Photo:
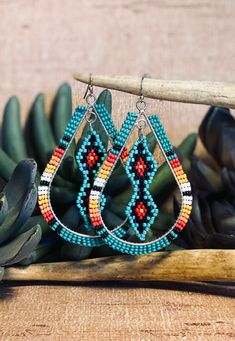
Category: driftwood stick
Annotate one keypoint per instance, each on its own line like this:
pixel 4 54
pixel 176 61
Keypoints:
pixel 199 92
pixel 182 266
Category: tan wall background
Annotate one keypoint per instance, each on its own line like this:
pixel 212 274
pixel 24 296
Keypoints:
pixel 44 42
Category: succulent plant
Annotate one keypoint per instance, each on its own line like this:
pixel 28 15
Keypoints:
pixel 20 234
pixel 212 222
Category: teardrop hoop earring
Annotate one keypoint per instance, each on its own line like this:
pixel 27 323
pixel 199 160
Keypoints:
pixel 89 159
pixel 141 167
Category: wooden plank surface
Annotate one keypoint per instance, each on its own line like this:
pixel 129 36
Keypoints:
pixel 117 312
pixel 42 44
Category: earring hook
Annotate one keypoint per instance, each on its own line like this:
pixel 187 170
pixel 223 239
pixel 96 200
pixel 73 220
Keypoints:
pixel 89 87
pixel 145 75
pixel 141 104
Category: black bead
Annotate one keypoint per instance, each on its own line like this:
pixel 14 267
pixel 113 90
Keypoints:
pixel 169 153
pixel 66 138
pixel 61 146
pixel 187 193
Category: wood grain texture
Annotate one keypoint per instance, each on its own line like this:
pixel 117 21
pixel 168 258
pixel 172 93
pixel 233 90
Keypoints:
pixel 198 92
pixel 185 265
pixel 117 313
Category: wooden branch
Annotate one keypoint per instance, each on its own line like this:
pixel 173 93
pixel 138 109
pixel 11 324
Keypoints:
pixel 199 92
pixel 187 265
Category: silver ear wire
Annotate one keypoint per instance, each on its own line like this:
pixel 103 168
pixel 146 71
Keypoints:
pixel 141 105
pixel 89 96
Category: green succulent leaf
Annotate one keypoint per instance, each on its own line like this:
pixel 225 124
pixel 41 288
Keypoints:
pixel 61 114
pixel 111 219
pixel 75 252
pixel 18 214
pixel 20 247
pixel 7 165
pixel 72 217
pixel 205 177
pixel 69 251
pixel 228 178
pixel 21 196
pixel 61 110
pixel 70 171
pixel 32 221
pixel 223 214
pixel 226 148
pixel 20 182
pixel 188 145
pixel 162 223
pixel 63 195
pixel 215 121
pixel 13 142
pixel 46 246
pixel 3 207
pixel 42 135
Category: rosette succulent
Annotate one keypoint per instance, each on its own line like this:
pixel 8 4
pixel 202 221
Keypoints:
pixel 212 222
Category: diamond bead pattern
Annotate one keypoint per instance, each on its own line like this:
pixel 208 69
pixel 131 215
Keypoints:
pixel 141 168
pixel 89 159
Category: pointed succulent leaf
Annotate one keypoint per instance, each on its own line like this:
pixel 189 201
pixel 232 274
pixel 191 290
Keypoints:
pixel 75 252
pixel 206 214
pixel 46 246
pixel 21 180
pixel 69 251
pixel 21 195
pixel 226 226
pixel 72 217
pixel 18 214
pixel 210 129
pixel 7 165
pixel 61 114
pixel 223 216
pixel 188 145
pixel 193 235
pixel 63 195
pixel 228 177
pixel 20 247
pixel 206 178
pixel 162 223
pixel 61 110
pixel 3 207
pixel 13 142
pixel 42 135
pixel 70 171
pixel 7 229
pixel 226 148
pixel 32 221
pixel 27 207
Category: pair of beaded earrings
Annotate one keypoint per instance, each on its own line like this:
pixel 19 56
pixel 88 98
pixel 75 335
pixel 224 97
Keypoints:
pixel 97 164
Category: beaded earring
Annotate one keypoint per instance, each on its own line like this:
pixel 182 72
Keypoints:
pixel 141 167
pixel 89 158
